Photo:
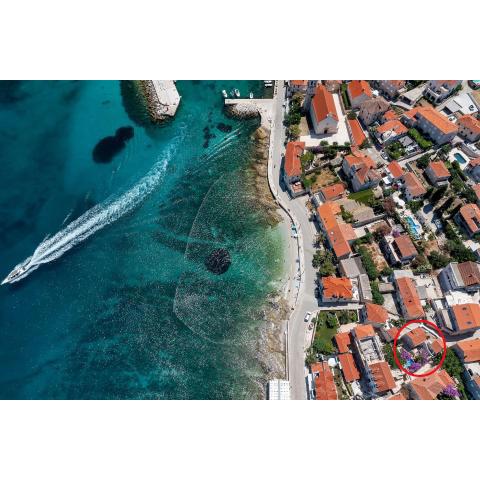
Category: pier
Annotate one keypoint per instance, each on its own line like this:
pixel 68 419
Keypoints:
pixel 250 107
pixel 162 98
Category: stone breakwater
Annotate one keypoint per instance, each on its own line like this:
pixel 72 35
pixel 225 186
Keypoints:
pixel 162 99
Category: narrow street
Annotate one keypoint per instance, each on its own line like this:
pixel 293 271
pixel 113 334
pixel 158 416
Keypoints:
pixel 297 328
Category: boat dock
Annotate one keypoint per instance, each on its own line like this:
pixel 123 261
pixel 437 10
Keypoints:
pixel 162 98
pixel 251 107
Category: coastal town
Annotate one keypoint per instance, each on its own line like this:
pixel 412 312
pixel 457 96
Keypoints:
pixel 380 181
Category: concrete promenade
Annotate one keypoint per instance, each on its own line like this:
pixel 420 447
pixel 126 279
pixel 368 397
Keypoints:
pixel 167 96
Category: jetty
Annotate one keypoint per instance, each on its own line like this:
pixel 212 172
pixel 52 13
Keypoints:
pixel 251 107
pixel 162 99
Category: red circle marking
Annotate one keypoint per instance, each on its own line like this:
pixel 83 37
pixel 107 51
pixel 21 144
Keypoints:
pixel 444 354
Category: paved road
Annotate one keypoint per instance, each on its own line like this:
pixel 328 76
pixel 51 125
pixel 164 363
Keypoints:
pixel 307 301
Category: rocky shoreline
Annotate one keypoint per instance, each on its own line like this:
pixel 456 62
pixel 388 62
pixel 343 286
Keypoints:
pixel 155 109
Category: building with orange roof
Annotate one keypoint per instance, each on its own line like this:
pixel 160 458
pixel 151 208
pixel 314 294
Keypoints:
pixel 358 92
pixel 399 250
pixel 473 168
pixel 460 319
pixel 468 218
pixel 428 388
pixel 364 331
pixel 438 173
pixel 395 169
pixel 325 388
pixel 414 338
pixel 336 290
pixel 464 276
pixel 349 368
pixel 436 346
pixel 361 170
pixel 389 115
pixel 343 342
pixel 413 187
pixel 292 167
pixel 373 110
pixel 338 234
pixel 468 350
pixel 391 88
pixel 438 90
pixel 355 131
pixel 332 192
pixel 469 128
pixel 389 334
pixel 476 189
pixel 397 396
pixel 408 298
pixel 374 314
pixel 432 123
pixel 390 130
pixel 381 377
pixel 323 112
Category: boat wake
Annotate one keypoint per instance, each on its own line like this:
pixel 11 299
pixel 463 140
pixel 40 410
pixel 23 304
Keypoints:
pixel 92 220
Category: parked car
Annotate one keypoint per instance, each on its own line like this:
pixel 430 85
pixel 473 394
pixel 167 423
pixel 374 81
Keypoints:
pixel 317 292
pixel 438 223
pixel 384 155
pixel 307 316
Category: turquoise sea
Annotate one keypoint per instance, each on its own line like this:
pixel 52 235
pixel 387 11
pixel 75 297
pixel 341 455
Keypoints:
pixel 123 305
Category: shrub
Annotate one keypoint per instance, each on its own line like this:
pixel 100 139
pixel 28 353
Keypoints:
pixel 376 295
pixel 332 321
pixel 368 263
pixel 423 161
pixel 438 260
pixel 423 143
pixel 459 252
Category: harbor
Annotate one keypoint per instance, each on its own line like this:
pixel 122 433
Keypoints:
pixel 162 97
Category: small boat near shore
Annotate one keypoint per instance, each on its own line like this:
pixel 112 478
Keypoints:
pixel 268 83
pixel 237 92
pixel 225 94
pixel 251 95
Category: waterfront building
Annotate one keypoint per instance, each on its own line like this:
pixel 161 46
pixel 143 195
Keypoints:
pixel 323 112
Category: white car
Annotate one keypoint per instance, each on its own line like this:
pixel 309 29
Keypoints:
pixel 307 316
pixel 438 224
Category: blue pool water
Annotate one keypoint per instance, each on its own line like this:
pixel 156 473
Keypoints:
pixel 459 158
pixel 412 225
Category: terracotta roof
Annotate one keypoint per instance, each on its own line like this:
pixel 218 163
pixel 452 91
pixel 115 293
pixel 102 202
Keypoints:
pixel 440 121
pixel 470 214
pixel 413 184
pixel 382 375
pixel 356 133
pixel 392 332
pixel 439 169
pixel 293 152
pixel 299 83
pixel 475 162
pixel 398 127
pixel 350 370
pixel 467 316
pixel 408 292
pixel 427 388
pixel 343 341
pixel 357 87
pixel 334 287
pixel 366 174
pixel 323 104
pixel 476 189
pixel 470 349
pixel 364 331
pixel 360 159
pixel 397 396
pixel 405 246
pixel 470 122
pixel 470 273
pixel 325 388
pixel 437 346
pixel 376 313
pixel 398 84
pixel 327 213
pixel 333 191
pixel 389 115
pixel 416 336
pixel 395 169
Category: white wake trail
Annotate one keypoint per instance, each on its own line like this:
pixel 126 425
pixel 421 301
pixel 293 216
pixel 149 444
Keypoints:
pixel 96 218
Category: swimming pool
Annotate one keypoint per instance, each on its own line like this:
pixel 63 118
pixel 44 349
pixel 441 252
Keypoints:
pixel 459 158
pixel 413 226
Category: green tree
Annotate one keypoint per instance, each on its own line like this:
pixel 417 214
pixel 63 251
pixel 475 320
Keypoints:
pixel 332 321
pixel 438 260
pixel 293 132
pixel 368 263
pixel 423 161
pixel 377 297
pixel 459 252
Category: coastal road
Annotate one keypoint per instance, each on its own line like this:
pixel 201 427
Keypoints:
pixel 297 328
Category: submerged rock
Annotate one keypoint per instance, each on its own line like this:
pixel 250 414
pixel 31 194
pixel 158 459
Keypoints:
pixel 110 146
pixel 223 127
pixel 218 261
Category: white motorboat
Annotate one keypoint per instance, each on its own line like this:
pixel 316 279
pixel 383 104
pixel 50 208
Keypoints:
pixel 224 93
pixel 16 274
pixel 251 95
pixel 237 92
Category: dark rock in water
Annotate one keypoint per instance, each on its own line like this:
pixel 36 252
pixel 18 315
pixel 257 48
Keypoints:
pixel 218 261
pixel 223 127
pixel 205 144
pixel 124 133
pixel 110 146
